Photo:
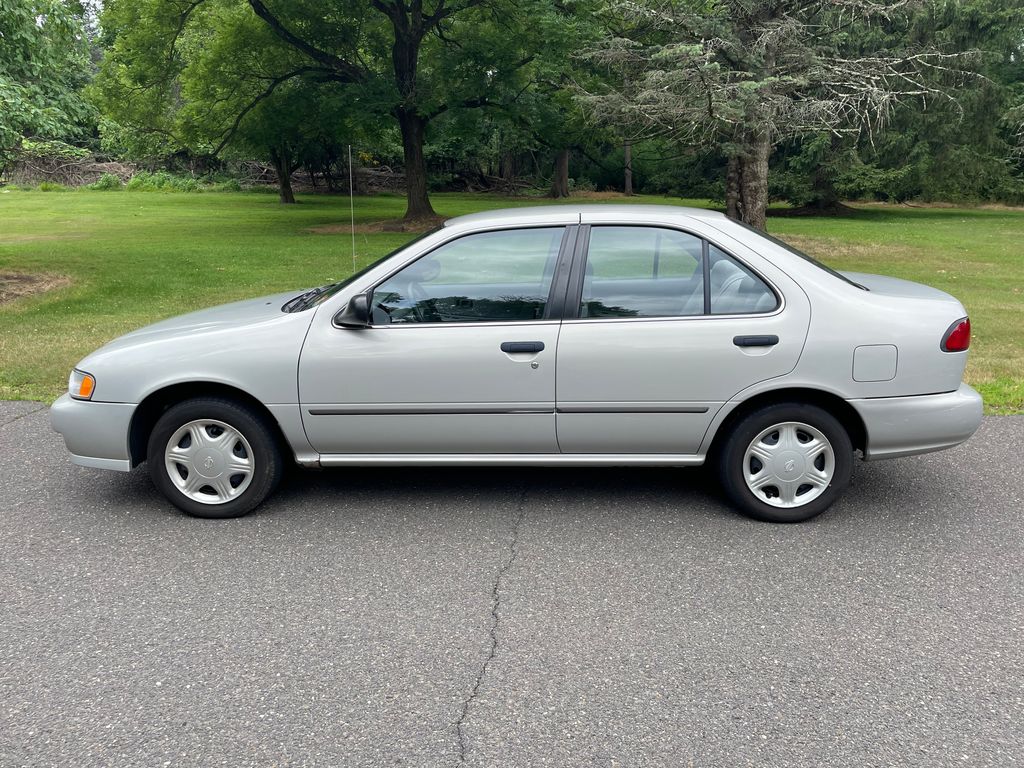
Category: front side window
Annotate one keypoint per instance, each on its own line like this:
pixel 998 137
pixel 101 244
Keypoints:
pixel 502 276
pixel 642 272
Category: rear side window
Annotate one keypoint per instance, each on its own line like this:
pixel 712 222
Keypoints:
pixel 642 272
pixel 501 276
pixel 735 290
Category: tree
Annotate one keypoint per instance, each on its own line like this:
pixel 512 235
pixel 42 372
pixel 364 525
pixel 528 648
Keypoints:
pixel 537 112
pixel 953 150
pixel 210 79
pixel 961 151
pixel 44 62
pixel 411 62
pixel 744 76
pixel 470 47
pixel 240 96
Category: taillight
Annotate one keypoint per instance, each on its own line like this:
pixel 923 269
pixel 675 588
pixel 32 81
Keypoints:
pixel 958 336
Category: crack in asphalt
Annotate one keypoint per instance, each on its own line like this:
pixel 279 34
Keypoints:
pixel 23 415
pixel 513 551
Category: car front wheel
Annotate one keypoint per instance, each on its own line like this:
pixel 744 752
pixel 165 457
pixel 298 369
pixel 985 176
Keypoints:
pixel 213 458
pixel 786 463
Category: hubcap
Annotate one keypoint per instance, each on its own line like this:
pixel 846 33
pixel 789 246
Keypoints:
pixel 789 464
pixel 209 461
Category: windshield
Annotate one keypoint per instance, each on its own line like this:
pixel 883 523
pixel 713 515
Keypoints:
pixel 797 252
pixel 315 296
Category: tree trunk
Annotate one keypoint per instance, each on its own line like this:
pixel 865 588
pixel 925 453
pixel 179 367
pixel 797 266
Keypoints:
pixel 508 173
pixel 560 181
pixel 283 169
pixel 627 153
pixel 746 182
pixel 405 58
pixel 754 181
pixel 732 188
pixel 417 201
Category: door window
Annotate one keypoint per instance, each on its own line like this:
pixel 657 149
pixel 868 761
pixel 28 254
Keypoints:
pixel 735 290
pixel 502 276
pixel 642 272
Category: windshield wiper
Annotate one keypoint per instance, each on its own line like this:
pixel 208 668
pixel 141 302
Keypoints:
pixel 300 302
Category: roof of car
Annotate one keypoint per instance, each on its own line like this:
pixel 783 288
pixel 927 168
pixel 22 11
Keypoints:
pixel 568 211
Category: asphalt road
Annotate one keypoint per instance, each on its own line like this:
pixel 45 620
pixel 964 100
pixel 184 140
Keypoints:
pixel 511 618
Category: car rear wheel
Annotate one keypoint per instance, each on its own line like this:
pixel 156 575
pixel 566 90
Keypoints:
pixel 786 463
pixel 214 458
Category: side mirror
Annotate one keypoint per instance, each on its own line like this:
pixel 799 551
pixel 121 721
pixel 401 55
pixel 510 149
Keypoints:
pixel 356 313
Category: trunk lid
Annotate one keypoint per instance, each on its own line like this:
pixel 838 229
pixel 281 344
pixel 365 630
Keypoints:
pixel 897 288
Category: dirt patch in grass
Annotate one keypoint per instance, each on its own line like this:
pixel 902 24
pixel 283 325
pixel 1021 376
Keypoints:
pixel 833 210
pixel 939 205
pixel 423 224
pixel 15 285
pixel 344 229
pixel 585 194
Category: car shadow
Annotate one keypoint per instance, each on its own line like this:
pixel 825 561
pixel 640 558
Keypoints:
pixel 877 491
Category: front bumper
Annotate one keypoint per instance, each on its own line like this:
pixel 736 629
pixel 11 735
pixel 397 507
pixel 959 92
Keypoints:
pixel 96 434
pixel 904 426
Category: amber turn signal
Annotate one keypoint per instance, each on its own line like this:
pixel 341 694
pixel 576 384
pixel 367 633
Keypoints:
pixel 81 385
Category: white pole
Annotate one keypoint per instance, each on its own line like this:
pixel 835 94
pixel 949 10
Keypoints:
pixel 352 207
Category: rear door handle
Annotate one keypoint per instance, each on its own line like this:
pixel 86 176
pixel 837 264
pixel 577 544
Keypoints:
pixel 520 347
pixel 755 341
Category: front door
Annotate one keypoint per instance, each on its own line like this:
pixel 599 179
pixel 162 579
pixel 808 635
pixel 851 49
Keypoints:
pixel 667 328
pixel 459 357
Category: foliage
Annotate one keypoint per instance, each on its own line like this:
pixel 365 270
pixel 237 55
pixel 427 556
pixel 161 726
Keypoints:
pixel 743 77
pixel 281 79
pixel 53 149
pixel 132 143
pixel 962 150
pixel 51 186
pixel 43 66
pixel 839 98
pixel 230 185
pixel 162 181
pixel 108 182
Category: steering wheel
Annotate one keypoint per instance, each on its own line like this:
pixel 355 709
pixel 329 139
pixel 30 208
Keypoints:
pixel 422 303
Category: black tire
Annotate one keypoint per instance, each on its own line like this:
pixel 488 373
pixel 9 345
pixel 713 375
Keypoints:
pixel 733 453
pixel 266 460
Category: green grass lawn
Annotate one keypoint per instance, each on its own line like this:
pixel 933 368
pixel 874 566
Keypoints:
pixel 133 258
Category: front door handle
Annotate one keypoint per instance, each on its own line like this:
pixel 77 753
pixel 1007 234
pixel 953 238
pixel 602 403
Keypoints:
pixel 521 347
pixel 755 341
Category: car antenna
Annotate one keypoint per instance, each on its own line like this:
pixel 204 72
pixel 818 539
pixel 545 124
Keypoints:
pixel 352 208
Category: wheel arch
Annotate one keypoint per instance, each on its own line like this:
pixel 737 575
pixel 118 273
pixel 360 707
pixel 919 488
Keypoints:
pixel 153 406
pixel 828 401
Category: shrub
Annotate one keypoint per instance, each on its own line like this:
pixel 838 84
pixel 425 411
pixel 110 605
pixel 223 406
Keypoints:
pixel 136 182
pixel 162 181
pixel 229 185
pixel 51 186
pixel 106 183
pixel 581 185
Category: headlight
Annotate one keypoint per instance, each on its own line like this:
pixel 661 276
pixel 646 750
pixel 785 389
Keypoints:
pixel 81 385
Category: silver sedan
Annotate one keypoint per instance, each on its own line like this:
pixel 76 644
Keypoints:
pixel 561 336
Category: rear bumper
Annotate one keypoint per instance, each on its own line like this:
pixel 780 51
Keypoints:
pixel 904 426
pixel 96 434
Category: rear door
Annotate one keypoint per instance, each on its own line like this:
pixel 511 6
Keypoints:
pixel 662 328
